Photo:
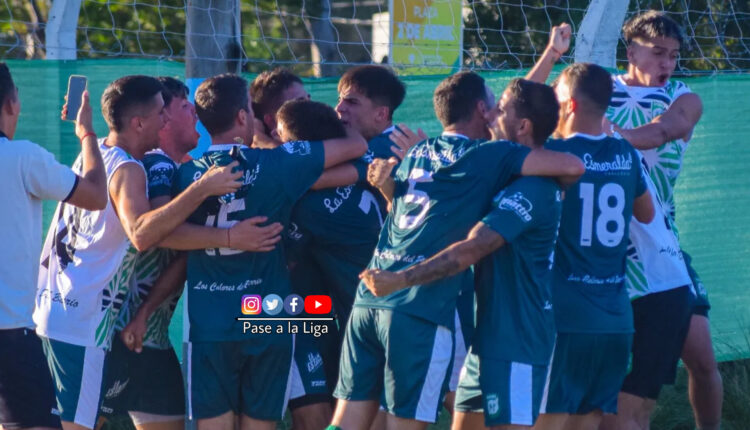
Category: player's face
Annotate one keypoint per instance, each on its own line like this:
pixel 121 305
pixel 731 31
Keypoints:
pixel 181 123
pixel 359 112
pixel 653 59
pixel 562 91
pixel 502 119
pixel 281 132
pixel 153 120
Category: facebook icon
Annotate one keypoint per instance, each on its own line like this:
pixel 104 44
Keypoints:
pixel 293 304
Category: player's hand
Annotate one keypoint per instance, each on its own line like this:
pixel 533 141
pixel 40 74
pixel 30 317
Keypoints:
pixel 218 181
pixel 249 235
pixel 405 138
pixel 84 121
pixel 379 171
pixel 559 38
pixel 382 282
pixel 132 334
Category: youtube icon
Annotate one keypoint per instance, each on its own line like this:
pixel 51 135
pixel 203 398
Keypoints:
pixel 318 304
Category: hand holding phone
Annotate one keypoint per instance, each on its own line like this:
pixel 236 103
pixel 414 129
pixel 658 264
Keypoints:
pixel 77 107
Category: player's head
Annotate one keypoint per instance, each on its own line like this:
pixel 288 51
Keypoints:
pixel 224 108
pixel 464 99
pixel 10 104
pixel 270 90
pixel 133 105
pixel 526 113
pixel 179 131
pixel 584 91
pixel 308 120
pixel 654 42
pixel 368 96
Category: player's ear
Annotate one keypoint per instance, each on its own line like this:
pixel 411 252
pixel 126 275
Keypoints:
pixel 382 114
pixel 241 118
pixel 525 127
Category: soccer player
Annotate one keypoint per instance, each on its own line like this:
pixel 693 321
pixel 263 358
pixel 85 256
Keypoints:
pixel 268 91
pixel 657 116
pixel 442 188
pixel 505 371
pixel 130 384
pixel 88 258
pixel 592 311
pixel 232 374
pixel 29 175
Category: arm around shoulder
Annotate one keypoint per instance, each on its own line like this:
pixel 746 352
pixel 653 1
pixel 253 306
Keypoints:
pixel 565 167
pixel 677 122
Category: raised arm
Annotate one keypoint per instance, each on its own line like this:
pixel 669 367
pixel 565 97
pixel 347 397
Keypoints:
pixel 146 228
pixel 91 191
pixel 343 149
pixel 677 122
pixel 566 168
pixel 454 259
pixel 559 42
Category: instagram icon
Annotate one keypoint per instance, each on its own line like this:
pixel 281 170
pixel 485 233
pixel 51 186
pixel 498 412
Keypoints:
pixel 251 304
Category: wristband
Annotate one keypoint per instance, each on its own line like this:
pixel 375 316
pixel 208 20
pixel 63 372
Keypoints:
pixel 90 133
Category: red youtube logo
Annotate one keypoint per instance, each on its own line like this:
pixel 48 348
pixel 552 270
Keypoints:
pixel 318 304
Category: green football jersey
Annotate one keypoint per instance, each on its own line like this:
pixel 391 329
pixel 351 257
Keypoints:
pixel 340 227
pixel 217 279
pixel 588 287
pixel 443 187
pixel 149 264
pixel 514 304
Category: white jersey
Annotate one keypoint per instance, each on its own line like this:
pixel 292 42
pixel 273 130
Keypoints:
pixel 85 269
pixel 654 260
pixel 633 107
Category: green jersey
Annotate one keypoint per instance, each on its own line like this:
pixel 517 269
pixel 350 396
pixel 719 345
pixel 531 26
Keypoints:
pixel 588 287
pixel 514 305
pixel 149 264
pixel 340 227
pixel 442 188
pixel 217 279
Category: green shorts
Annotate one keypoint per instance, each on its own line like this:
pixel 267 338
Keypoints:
pixel 701 305
pixel 149 382
pixel 248 377
pixel 586 373
pixel 78 372
pixel 397 359
pixel 308 379
pixel 508 393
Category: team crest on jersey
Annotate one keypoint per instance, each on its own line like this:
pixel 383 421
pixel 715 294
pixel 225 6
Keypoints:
pixel 314 361
pixel 160 174
pixel 300 147
pixel 517 203
pixel 493 404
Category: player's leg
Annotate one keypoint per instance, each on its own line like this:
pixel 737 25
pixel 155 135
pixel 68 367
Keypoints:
pixel 225 421
pixel 633 413
pixel 212 381
pixel 265 381
pixel 78 372
pixel 415 383
pixel 469 409
pixel 705 387
pixel 464 329
pixel 589 421
pixel 118 382
pixel 467 421
pixel 550 421
pixel 27 395
pixel 309 399
pixel 314 416
pixel 360 382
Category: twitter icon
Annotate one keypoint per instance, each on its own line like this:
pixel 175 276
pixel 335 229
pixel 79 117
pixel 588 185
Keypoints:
pixel 272 304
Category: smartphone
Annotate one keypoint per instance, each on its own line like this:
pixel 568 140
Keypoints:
pixel 76 87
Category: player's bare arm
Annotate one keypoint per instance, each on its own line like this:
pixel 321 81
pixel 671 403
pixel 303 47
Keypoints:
pixel 564 167
pixel 145 227
pixel 643 208
pixel 379 176
pixel 454 259
pixel 404 138
pixel 91 191
pixel 170 282
pixel 559 43
pixel 677 122
pixel 344 149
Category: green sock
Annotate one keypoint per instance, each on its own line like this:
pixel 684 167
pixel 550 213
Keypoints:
pixel 333 427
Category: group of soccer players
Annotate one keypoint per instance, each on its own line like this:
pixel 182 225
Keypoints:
pixel 522 269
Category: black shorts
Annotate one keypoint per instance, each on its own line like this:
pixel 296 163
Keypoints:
pixel 661 323
pixel 27 394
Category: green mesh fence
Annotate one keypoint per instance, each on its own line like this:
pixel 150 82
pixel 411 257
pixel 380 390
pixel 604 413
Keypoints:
pixel 713 195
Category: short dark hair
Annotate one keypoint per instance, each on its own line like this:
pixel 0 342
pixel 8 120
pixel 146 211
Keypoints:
pixel 590 85
pixel 125 95
pixel 309 120
pixel 650 24
pixel 538 103
pixel 218 99
pixel 266 90
pixel 6 84
pixel 378 83
pixel 173 88
pixel 457 95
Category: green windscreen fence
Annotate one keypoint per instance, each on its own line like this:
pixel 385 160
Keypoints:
pixel 713 195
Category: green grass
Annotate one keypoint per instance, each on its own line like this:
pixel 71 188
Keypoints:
pixel 672 412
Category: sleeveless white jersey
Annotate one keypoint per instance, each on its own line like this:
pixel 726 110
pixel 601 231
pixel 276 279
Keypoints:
pixel 85 268
pixel 633 107
pixel 654 260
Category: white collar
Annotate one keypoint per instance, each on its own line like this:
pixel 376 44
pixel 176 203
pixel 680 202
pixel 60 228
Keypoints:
pixel 451 134
pixel 588 136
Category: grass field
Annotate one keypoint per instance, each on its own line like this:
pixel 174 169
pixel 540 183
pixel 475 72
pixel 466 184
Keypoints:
pixel 672 412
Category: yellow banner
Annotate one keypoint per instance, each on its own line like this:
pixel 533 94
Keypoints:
pixel 426 36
